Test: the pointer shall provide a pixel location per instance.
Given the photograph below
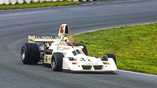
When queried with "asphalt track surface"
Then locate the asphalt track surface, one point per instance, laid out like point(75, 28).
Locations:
point(16, 25)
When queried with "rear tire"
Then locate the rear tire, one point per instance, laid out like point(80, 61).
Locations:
point(57, 62)
point(30, 53)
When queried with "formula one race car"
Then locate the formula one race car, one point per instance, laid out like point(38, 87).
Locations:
point(62, 53)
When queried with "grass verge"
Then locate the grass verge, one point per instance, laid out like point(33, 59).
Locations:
point(37, 5)
point(135, 46)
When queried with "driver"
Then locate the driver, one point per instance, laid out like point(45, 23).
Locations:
point(68, 42)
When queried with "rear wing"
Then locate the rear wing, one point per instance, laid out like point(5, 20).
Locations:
point(64, 31)
point(35, 38)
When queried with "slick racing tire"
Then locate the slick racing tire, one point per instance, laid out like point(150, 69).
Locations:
point(112, 56)
point(30, 53)
point(57, 62)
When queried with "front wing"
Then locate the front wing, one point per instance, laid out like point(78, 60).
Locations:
point(91, 66)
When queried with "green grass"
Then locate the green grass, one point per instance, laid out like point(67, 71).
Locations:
point(37, 5)
point(135, 46)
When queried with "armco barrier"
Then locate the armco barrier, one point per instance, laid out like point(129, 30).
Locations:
point(7, 2)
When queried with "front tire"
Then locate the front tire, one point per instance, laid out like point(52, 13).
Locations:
point(57, 62)
point(30, 54)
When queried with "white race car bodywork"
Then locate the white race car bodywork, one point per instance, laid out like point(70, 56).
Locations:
point(89, 64)
point(82, 62)
point(62, 52)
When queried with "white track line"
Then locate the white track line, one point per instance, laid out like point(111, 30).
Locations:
point(117, 26)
